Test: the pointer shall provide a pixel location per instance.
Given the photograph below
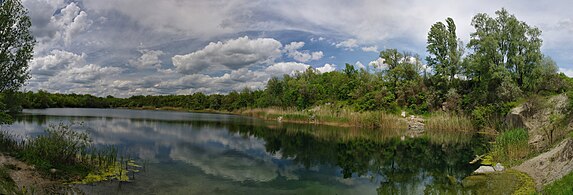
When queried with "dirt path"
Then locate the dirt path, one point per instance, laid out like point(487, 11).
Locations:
point(551, 165)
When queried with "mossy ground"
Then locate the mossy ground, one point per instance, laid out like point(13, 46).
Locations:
point(506, 182)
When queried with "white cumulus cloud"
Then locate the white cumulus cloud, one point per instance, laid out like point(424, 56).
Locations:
point(232, 54)
point(292, 50)
point(326, 68)
point(348, 44)
point(283, 68)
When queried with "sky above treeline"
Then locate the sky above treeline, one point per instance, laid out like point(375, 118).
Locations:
point(149, 47)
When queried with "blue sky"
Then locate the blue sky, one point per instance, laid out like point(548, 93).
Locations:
point(149, 47)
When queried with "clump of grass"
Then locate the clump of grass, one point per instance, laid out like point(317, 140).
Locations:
point(511, 146)
point(561, 186)
point(70, 153)
point(379, 120)
point(57, 147)
point(443, 122)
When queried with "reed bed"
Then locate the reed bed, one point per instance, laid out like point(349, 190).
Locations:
point(331, 116)
point(511, 146)
point(444, 122)
point(67, 154)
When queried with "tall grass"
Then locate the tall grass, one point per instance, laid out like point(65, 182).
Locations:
point(69, 152)
point(444, 122)
point(511, 146)
point(378, 119)
point(330, 115)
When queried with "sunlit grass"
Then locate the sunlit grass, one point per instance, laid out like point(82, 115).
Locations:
point(330, 116)
point(561, 186)
point(443, 122)
point(511, 146)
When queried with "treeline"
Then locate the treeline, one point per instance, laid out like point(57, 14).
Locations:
point(502, 64)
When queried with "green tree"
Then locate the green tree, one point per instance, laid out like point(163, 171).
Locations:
point(16, 45)
point(444, 54)
point(506, 54)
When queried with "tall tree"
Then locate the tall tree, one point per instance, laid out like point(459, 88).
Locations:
point(16, 45)
point(505, 43)
point(444, 53)
point(506, 52)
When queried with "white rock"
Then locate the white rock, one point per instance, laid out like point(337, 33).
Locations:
point(498, 167)
point(484, 169)
point(403, 114)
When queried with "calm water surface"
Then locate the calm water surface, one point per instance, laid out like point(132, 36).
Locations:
point(198, 153)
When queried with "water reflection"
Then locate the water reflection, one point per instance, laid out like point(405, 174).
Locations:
point(249, 155)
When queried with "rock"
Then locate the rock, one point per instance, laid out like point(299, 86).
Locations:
point(53, 170)
point(551, 165)
point(484, 169)
point(403, 114)
point(498, 167)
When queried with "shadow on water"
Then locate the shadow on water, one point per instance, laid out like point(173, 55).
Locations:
point(231, 154)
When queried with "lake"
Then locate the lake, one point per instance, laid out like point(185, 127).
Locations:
point(201, 153)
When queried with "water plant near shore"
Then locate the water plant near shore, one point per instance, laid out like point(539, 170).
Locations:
point(444, 122)
point(67, 154)
point(330, 116)
point(511, 146)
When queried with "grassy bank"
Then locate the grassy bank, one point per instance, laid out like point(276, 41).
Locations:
point(329, 116)
point(65, 155)
point(561, 186)
point(511, 147)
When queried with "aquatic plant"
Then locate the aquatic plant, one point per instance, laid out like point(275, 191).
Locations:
point(511, 146)
point(444, 122)
point(330, 115)
point(66, 153)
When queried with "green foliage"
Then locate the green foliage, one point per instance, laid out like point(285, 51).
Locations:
point(69, 152)
point(561, 186)
point(445, 54)
point(492, 116)
point(511, 146)
point(17, 45)
point(506, 55)
point(57, 147)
